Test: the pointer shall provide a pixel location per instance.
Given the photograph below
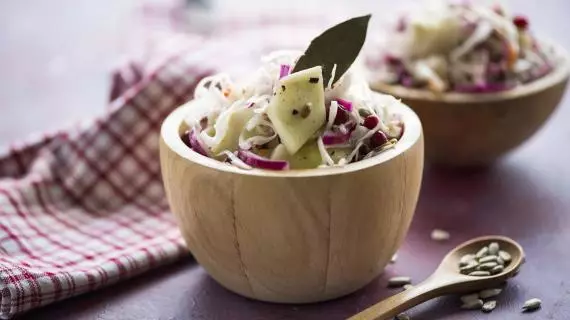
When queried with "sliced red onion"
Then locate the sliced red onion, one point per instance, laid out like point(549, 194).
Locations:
point(196, 145)
point(257, 161)
point(284, 71)
point(341, 116)
point(345, 104)
point(392, 60)
point(330, 138)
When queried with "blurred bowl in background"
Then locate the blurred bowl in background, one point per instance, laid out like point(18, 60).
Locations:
point(463, 129)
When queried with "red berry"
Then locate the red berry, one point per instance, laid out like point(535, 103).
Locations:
point(521, 22)
point(378, 139)
point(371, 122)
point(341, 116)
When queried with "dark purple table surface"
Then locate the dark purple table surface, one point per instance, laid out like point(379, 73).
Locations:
point(54, 62)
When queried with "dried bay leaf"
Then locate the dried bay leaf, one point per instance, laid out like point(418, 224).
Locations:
point(338, 45)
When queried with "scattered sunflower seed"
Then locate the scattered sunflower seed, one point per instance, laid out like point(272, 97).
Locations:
point(487, 266)
point(505, 256)
point(471, 305)
point(480, 273)
point(497, 269)
point(439, 235)
point(396, 282)
point(489, 293)
point(486, 259)
point(394, 258)
point(493, 248)
point(482, 253)
point(466, 259)
point(489, 306)
point(531, 305)
point(469, 297)
point(402, 316)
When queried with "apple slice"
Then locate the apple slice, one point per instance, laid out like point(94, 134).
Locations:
point(228, 129)
point(297, 110)
point(308, 157)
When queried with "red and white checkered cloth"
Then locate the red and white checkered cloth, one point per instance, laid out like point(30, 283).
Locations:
point(84, 207)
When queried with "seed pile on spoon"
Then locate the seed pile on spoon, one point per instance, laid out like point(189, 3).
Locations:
point(489, 260)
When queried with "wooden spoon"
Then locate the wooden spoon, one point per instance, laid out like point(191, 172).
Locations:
point(447, 279)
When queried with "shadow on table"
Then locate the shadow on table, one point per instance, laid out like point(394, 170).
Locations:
point(503, 199)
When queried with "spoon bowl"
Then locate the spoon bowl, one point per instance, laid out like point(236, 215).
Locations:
point(447, 279)
point(450, 262)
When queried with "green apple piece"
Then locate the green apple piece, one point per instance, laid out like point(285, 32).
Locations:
point(308, 157)
point(338, 153)
point(297, 110)
point(228, 128)
point(435, 31)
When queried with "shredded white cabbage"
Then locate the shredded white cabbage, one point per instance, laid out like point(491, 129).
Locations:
point(479, 47)
point(258, 135)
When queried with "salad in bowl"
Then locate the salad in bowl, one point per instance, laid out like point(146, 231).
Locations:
point(271, 179)
point(296, 111)
point(467, 47)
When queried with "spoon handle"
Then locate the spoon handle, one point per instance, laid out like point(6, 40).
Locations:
point(396, 304)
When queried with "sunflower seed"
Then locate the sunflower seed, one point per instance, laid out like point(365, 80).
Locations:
point(394, 258)
point(532, 305)
point(466, 259)
point(488, 259)
point(475, 304)
point(489, 306)
point(396, 282)
point(493, 248)
point(505, 256)
point(480, 273)
point(402, 316)
point(469, 297)
point(497, 269)
point(439, 235)
point(500, 261)
point(482, 253)
point(472, 266)
point(487, 266)
point(489, 293)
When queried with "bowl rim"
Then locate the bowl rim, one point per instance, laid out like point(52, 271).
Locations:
point(560, 73)
point(170, 129)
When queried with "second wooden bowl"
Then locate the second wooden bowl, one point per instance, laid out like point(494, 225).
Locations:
point(476, 129)
point(293, 236)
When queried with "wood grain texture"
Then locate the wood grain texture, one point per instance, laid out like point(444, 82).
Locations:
point(475, 129)
point(294, 236)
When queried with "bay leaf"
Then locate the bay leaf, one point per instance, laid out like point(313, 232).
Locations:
point(338, 45)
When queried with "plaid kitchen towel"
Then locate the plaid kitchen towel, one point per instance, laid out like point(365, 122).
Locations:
point(84, 207)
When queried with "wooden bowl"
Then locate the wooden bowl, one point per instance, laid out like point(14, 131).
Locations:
point(292, 236)
point(476, 129)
